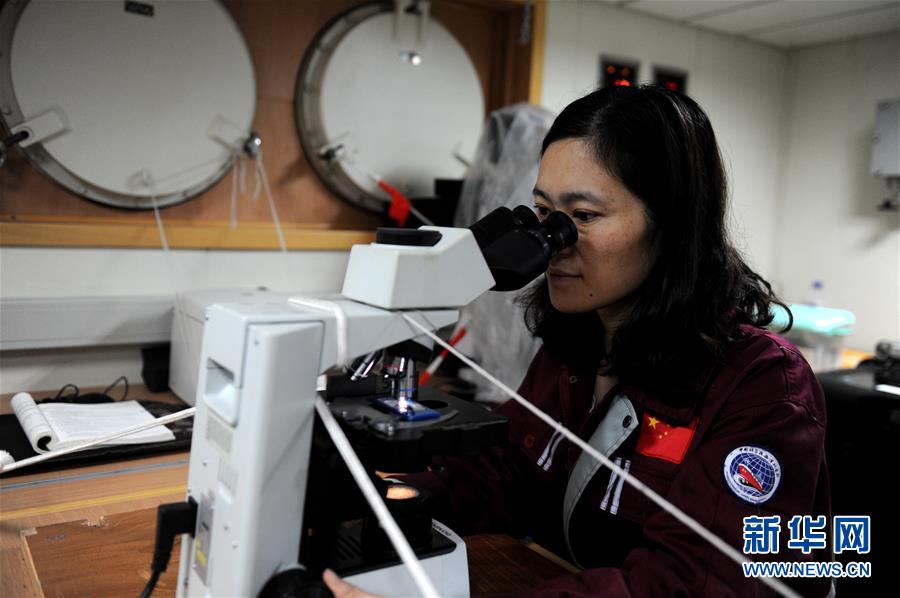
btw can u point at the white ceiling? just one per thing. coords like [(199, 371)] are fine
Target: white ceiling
[(782, 23)]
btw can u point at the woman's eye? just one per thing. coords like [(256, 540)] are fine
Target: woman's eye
[(541, 211), (583, 216)]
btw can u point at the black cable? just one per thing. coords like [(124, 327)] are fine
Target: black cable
[(63, 389), (77, 392), (113, 385), (171, 519), (151, 583)]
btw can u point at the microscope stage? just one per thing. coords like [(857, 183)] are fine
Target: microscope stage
[(463, 429)]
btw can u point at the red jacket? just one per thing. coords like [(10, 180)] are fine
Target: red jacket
[(750, 443)]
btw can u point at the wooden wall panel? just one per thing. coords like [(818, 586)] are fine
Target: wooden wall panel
[(277, 33)]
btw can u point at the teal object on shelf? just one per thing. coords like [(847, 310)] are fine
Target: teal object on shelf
[(825, 321)]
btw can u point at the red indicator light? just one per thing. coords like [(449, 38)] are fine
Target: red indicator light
[(614, 72), (671, 79)]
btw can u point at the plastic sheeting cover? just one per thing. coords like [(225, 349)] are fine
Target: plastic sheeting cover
[(503, 173)]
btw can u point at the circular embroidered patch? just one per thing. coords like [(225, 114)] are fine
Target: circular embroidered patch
[(752, 473)]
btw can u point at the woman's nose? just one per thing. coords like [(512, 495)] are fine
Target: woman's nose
[(567, 250), (564, 254)]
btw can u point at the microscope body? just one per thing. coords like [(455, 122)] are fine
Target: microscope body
[(250, 455), (261, 371)]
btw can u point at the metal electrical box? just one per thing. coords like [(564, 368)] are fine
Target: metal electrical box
[(886, 141)]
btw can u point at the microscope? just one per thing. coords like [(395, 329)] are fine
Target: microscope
[(274, 502)]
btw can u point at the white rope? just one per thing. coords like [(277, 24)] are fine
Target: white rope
[(237, 165), (262, 180), (667, 506), (256, 184), (179, 314), (261, 169), (242, 171), (166, 419), (147, 179), (239, 182), (375, 501), (340, 318)]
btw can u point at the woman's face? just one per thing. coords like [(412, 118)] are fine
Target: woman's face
[(614, 252)]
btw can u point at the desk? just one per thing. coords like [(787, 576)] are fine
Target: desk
[(88, 494), (118, 490)]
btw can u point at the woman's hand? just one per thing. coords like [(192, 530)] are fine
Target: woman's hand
[(342, 589)]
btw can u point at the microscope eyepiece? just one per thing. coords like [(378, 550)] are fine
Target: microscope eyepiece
[(525, 217), (517, 246), (559, 231), (493, 226)]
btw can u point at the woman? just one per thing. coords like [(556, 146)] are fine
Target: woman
[(654, 352)]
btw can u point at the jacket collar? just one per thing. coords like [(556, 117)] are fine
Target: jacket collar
[(675, 405)]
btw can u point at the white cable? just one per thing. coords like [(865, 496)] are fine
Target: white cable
[(5, 459), (256, 187), (166, 419), (148, 181), (340, 320), (262, 176), (239, 182), (242, 171), (667, 506), (236, 165), (173, 275), (375, 501), (261, 169)]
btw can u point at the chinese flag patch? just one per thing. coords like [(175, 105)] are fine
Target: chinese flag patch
[(663, 441)]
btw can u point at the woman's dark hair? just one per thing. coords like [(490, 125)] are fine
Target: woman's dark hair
[(661, 146)]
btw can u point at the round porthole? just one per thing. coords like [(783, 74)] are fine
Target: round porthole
[(390, 94), (126, 102)]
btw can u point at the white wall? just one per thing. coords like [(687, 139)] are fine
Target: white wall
[(50, 272), (739, 84), (795, 130), (829, 228)]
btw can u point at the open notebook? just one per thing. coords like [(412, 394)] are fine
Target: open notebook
[(52, 426)]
